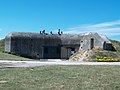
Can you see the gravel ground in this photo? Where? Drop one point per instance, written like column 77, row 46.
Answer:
column 13, row 64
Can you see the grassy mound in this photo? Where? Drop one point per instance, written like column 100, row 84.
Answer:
column 2, row 45
column 94, row 54
column 103, row 55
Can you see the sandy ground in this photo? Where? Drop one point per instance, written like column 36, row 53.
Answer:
column 14, row 64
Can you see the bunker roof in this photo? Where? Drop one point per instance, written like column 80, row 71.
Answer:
column 66, row 39
column 37, row 35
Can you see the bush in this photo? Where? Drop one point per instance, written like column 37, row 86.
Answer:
column 107, row 59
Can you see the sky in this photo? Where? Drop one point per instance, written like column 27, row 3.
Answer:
column 71, row 16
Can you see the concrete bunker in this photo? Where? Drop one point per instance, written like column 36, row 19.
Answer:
column 53, row 46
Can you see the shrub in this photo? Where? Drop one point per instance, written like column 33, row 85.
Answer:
column 106, row 59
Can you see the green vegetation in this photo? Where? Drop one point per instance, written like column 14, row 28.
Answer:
column 95, row 53
column 106, row 59
column 61, row 78
column 6, row 56
column 98, row 54
column 2, row 45
column 117, row 46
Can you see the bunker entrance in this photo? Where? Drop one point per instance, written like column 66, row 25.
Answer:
column 71, row 51
column 91, row 43
column 52, row 52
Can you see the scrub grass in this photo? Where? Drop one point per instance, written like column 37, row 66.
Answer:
column 61, row 78
column 2, row 45
column 92, row 55
column 6, row 56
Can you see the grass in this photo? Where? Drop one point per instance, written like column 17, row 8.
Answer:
column 92, row 55
column 61, row 78
column 2, row 45
column 6, row 56
column 103, row 53
column 95, row 53
column 117, row 46
column 58, row 77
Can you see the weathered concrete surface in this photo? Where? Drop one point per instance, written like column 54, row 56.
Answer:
column 14, row 64
column 53, row 46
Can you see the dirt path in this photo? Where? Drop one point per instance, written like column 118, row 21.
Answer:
column 13, row 64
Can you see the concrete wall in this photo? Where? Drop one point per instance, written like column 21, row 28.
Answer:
column 85, row 43
column 64, row 54
column 27, row 47
column 32, row 47
column 76, row 49
column 7, row 44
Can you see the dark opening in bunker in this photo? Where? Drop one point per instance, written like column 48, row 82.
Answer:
column 91, row 43
column 70, row 51
column 52, row 52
